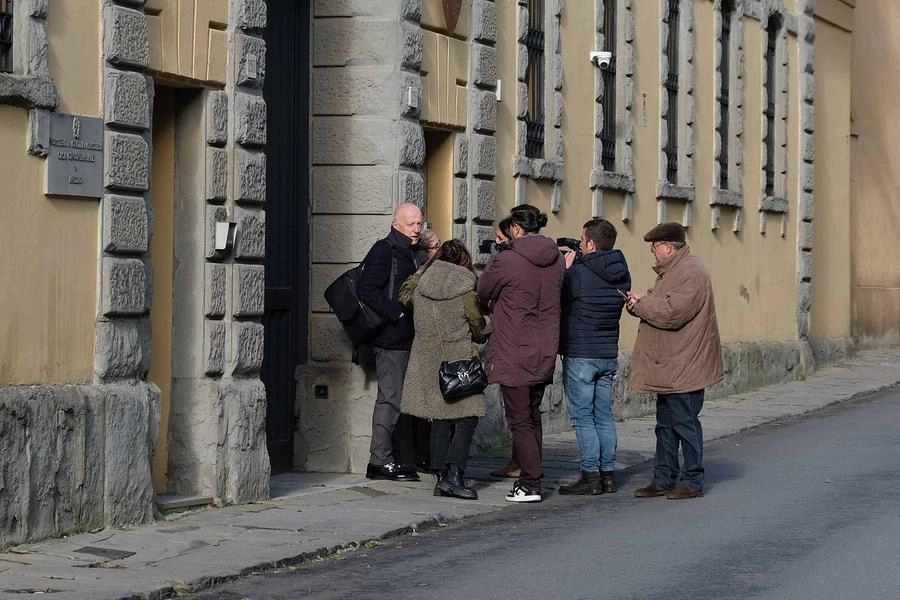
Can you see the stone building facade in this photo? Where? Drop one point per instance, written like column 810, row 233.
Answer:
column 168, row 334
column 176, row 90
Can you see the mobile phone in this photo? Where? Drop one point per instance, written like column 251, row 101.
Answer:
column 621, row 293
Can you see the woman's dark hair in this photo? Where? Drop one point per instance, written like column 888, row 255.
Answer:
column 529, row 218
column 504, row 226
column 454, row 251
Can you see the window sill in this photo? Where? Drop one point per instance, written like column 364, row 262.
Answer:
column 611, row 181
column 538, row 169
column 670, row 191
column 773, row 204
column 29, row 91
column 728, row 198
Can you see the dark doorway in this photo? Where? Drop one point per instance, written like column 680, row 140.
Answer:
column 287, row 219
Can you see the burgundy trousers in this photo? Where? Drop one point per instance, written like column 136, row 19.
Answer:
column 523, row 417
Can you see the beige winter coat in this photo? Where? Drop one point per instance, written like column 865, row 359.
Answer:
column 677, row 349
column 445, row 314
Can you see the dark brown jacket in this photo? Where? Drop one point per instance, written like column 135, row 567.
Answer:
column 522, row 285
column 677, row 349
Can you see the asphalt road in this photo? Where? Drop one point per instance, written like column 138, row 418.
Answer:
column 804, row 509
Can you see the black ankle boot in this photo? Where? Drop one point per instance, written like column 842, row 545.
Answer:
column 608, row 482
column 587, row 484
column 453, row 485
column 439, row 476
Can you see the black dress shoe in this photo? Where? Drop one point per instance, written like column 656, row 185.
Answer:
column 392, row 472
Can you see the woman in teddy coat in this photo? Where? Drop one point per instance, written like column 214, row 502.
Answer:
column 447, row 320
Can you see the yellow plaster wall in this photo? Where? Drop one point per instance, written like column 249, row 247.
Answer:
column 754, row 275
column 188, row 38
column 875, row 187
column 831, row 271
column 49, row 272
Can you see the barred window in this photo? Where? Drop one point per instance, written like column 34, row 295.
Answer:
column 724, row 91
column 772, row 29
column 6, row 35
column 608, row 135
column 671, row 86
column 534, row 76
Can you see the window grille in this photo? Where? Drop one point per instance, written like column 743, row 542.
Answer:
column 608, row 135
column 671, row 86
column 534, row 76
column 6, row 35
column 724, row 93
column 772, row 34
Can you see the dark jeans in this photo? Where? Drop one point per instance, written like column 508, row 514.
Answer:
column 412, row 440
column 523, row 416
column 450, row 441
column 677, row 423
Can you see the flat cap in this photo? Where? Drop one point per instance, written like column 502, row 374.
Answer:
column 665, row 232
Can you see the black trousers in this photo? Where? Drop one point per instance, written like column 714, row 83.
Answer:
column 412, row 441
column 450, row 441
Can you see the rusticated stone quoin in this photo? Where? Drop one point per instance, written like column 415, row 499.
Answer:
column 216, row 118
column 247, row 347
column 251, row 61
column 249, row 290
column 125, row 224
column 126, row 99
column 126, row 162
column 123, row 286
column 251, row 234
column 126, row 38
column 214, row 290
column 250, row 120
column 245, row 460
column 214, row 347
column 250, row 176
column 251, row 14
column 216, row 174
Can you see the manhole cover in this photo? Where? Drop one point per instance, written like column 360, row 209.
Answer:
column 107, row 553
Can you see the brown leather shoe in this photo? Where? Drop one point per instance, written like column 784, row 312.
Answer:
column 511, row 471
column 651, row 491
column 684, row 492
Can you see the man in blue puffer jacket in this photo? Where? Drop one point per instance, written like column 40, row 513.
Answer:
column 593, row 295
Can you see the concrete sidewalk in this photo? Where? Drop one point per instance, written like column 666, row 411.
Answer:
column 312, row 515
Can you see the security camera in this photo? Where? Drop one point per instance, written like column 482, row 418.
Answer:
column 601, row 59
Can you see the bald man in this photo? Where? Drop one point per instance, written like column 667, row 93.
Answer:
column 381, row 291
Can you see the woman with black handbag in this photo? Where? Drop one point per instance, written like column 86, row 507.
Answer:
column 447, row 322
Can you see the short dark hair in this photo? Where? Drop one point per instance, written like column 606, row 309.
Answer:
column 528, row 217
column 601, row 232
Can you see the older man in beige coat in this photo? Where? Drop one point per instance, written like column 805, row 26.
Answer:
column 677, row 354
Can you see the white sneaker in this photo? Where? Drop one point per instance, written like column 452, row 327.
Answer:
column 520, row 493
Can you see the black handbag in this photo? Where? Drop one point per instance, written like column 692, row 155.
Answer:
column 461, row 378
column 458, row 379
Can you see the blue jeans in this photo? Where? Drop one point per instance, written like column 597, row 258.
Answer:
column 677, row 422
column 588, row 384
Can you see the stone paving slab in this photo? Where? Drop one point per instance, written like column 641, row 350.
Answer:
column 312, row 515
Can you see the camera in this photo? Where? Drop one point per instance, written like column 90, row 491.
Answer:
column 492, row 247
column 601, row 59
column 572, row 244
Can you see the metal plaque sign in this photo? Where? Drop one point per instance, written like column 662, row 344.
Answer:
column 75, row 156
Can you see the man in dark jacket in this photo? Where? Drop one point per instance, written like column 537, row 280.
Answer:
column 593, row 295
column 387, row 265
column 522, row 286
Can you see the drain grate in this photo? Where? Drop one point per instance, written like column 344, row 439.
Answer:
column 107, row 553
column 32, row 591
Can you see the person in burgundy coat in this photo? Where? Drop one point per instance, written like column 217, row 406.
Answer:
column 522, row 285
